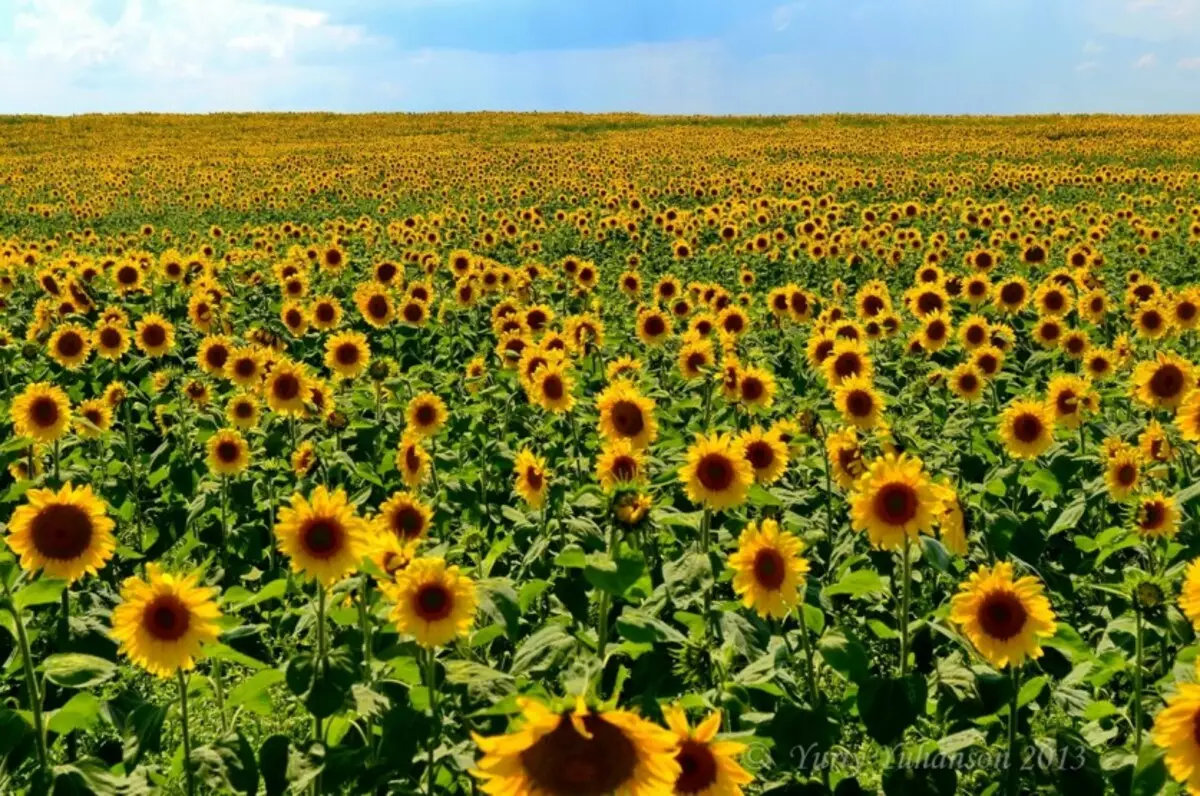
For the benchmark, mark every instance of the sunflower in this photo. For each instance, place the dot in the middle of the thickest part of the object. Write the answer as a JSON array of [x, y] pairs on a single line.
[[66, 534], [1003, 618], [619, 463], [162, 623], [766, 452], [228, 453], [1175, 732], [892, 499], [581, 751], [532, 480], [111, 340], [626, 414], [845, 456], [154, 335], [391, 555], [245, 367], [633, 507], [1123, 472], [756, 388], [70, 345], [1072, 399], [1098, 363], [552, 387], [695, 359], [434, 604], [42, 412], [1048, 332], [1156, 516], [716, 472], [426, 414], [304, 458], [1051, 299], [858, 401], [94, 418], [1187, 417], [375, 304], [935, 332], [1162, 382], [707, 767], [242, 411], [966, 382], [989, 359], [294, 317], [412, 460], [974, 332], [287, 387], [404, 516], [846, 359], [347, 354], [1011, 295], [1152, 320], [653, 327], [324, 537], [1154, 444], [1027, 428], [769, 571], [325, 313], [952, 526]]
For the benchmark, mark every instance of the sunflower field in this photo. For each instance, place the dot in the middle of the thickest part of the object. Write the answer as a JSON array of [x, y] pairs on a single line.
[[535, 455]]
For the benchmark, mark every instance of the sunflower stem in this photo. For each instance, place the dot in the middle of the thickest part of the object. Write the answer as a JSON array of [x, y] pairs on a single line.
[[224, 515], [364, 626], [435, 729], [29, 471], [433, 465], [806, 643], [708, 391], [31, 686], [575, 451], [1137, 679], [57, 480], [1011, 758], [219, 691], [187, 741], [905, 596]]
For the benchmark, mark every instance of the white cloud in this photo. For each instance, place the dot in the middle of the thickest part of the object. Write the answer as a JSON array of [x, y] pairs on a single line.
[[159, 52], [1188, 63], [1147, 61], [1087, 66], [1092, 48]]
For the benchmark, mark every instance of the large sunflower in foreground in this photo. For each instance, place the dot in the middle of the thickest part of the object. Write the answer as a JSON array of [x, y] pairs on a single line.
[[162, 623], [582, 751], [716, 472], [1175, 730], [707, 767], [894, 498], [626, 414], [67, 534], [433, 603], [769, 571], [41, 412], [323, 537], [1027, 428], [1005, 619]]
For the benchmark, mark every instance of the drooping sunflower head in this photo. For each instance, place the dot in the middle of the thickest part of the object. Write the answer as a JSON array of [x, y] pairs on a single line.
[[412, 460], [716, 472], [434, 603], [577, 752], [163, 622], [67, 534], [323, 536], [228, 452], [1027, 428], [1004, 619], [404, 516], [894, 498], [42, 412], [1072, 399], [769, 571]]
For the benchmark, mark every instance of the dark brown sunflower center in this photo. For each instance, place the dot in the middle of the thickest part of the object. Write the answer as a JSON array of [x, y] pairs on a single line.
[[716, 472], [752, 388], [1002, 615], [1154, 514], [412, 460], [425, 415], [896, 503], [734, 323], [872, 306], [377, 306], [859, 403], [217, 356], [769, 568], [624, 468], [70, 344], [552, 387], [564, 762], [627, 418], [154, 336], [286, 387], [1027, 428], [760, 454], [1012, 293], [1050, 330], [1167, 381], [697, 767], [408, 522], [1054, 301], [1067, 402], [44, 412], [322, 537], [433, 602], [534, 478], [347, 354], [847, 364], [325, 313], [968, 382], [696, 360], [1151, 320], [127, 275], [1185, 310], [654, 326], [1126, 474], [294, 318], [243, 409], [61, 531], [228, 451], [110, 337], [414, 312], [166, 618]]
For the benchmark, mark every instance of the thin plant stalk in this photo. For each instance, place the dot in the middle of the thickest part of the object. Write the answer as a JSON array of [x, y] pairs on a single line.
[[1014, 769], [187, 740], [905, 597], [31, 686], [435, 730]]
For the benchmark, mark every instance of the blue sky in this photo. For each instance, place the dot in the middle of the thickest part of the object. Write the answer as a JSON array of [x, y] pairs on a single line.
[[650, 56]]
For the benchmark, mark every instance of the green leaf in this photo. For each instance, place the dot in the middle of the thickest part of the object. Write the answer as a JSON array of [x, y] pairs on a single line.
[[83, 711], [571, 558], [1069, 518], [615, 576], [859, 583], [272, 591], [42, 591], [1030, 690], [253, 693], [889, 705], [1150, 773], [530, 591], [1045, 483], [74, 670], [143, 732], [86, 777], [227, 765], [845, 655]]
